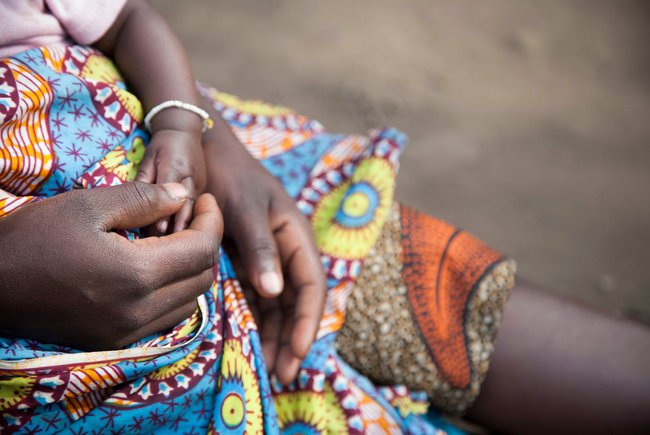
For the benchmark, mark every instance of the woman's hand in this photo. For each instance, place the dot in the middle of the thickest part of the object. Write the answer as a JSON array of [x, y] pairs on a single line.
[[67, 278], [175, 156], [272, 237]]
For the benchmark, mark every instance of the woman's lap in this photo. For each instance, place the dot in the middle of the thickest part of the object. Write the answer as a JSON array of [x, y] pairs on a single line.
[[450, 287]]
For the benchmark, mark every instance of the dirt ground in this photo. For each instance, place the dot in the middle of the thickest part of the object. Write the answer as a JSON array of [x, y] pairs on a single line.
[[529, 121]]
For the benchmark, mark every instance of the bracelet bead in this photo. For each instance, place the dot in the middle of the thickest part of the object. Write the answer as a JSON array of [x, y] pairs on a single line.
[[207, 122]]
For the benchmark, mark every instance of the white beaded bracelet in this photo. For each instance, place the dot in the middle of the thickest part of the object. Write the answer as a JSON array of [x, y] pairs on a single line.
[[207, 122]]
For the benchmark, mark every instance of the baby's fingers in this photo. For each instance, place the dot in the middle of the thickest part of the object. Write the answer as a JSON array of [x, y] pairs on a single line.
[[147, 173], [167, 171], [184, 216]]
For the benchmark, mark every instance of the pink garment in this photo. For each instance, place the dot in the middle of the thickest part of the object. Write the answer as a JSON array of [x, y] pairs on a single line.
[[26, 24]]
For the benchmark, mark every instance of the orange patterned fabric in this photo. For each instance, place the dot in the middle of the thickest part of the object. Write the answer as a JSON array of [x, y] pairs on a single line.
[[27, 152], [440, 272]]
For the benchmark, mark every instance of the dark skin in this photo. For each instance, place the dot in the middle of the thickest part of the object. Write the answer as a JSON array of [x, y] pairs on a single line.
[[562, 368], [558, 367], [272, 239], [268, 234], [132, 289], [141, 46], [109, 291]]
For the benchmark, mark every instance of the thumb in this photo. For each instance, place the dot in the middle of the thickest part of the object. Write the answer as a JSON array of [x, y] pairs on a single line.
[[137, 204]]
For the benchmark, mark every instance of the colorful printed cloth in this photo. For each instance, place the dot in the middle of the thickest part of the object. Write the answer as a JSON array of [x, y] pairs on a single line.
[[67, 121]]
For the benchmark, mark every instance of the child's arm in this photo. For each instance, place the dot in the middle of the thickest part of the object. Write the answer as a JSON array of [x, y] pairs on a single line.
[[157, 69]]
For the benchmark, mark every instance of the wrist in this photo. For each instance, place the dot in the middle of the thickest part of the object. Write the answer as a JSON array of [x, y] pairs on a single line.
[[179, 139], [220, 137], [176, 118]]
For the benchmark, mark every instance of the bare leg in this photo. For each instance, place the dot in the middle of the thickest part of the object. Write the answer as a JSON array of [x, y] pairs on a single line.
[[559, 367]]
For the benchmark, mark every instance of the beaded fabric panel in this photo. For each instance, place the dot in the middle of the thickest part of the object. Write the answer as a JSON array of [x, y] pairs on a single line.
[[426, 309]]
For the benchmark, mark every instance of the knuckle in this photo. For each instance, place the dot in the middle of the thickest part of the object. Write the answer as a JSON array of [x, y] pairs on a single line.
[[135, 273], [81, 203], [142, 279], [294, 215], [264, 246], [245, 210], [141, 195], [177, 165], [92, 297]]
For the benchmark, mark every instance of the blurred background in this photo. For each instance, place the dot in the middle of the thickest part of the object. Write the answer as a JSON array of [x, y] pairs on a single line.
[[529, 121]]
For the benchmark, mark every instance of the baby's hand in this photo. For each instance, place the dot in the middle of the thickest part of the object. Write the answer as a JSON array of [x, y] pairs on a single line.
[[175, 156]]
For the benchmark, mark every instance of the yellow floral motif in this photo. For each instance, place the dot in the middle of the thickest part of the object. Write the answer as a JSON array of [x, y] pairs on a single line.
[[407, 406], [251, 107], [356, 205], [175, 368], [336, 420], [234, 408], [125, 164], [114, 158], [101, 69], [190, 326], [320, 411], [354, 242], [13, 390]]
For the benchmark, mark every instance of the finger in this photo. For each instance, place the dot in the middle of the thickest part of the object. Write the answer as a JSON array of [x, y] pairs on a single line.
[[131, 205], [251, 231], [162, 225], [287, 363], [267, 313], [147, 170], [184, 216], [166, 172], [301, 260], [207, 215], [271, 315], [163, 260]]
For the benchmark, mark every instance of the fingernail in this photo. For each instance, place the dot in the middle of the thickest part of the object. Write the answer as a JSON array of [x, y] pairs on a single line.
[[271, 282], [176, 191]]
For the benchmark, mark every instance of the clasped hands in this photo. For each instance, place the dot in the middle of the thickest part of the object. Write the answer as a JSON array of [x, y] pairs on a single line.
[[72, 280]]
